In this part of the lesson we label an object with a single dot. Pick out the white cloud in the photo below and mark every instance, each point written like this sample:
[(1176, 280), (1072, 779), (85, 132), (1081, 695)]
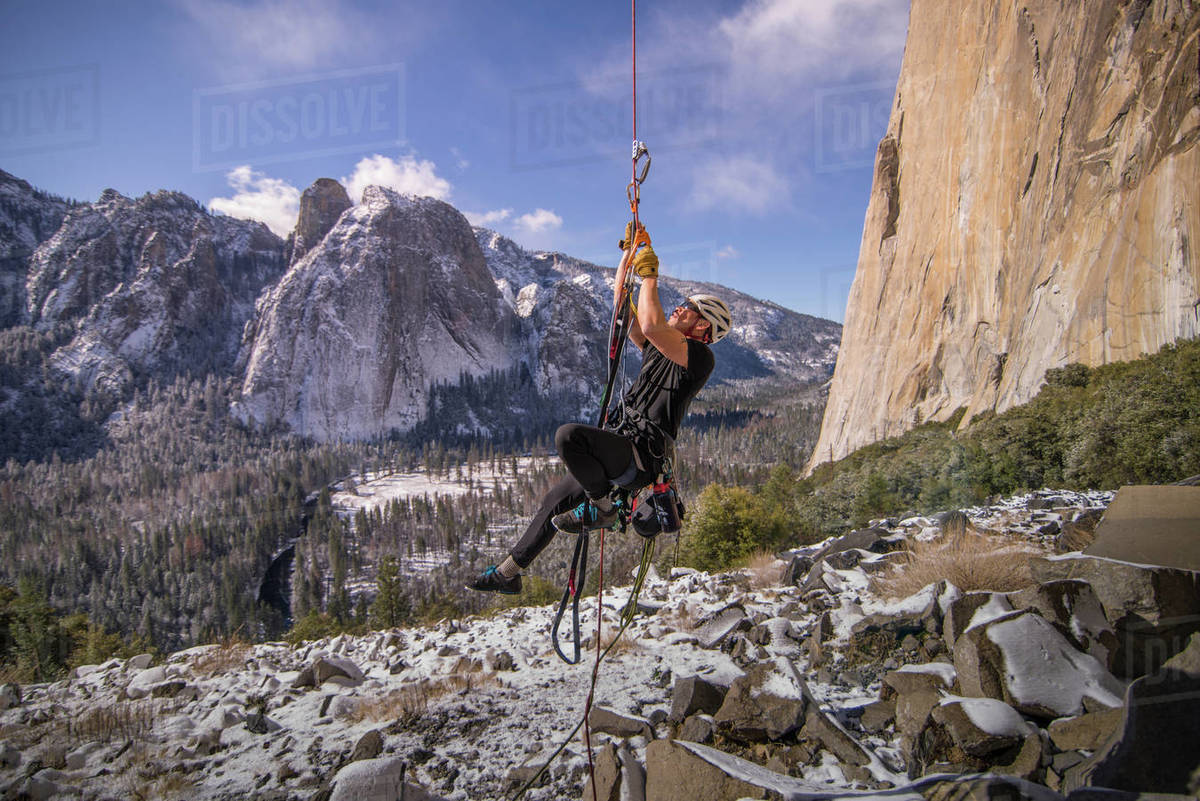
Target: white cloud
[(773, 41), (760, 76), (288, 34), (741, 184), (488, 217), (406, 175), (271, 201), (728, 253), (539, 221)]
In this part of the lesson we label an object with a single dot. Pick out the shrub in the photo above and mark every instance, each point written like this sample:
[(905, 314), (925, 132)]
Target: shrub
[(766, 570), (315, 626), (730, 524), (229, 654), (535, 591), (966, 558)]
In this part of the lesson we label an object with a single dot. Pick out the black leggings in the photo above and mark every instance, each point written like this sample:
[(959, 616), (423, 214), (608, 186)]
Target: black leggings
[(595, 458)]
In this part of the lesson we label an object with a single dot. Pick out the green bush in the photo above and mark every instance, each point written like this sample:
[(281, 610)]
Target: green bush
[(730, 524), (535, 591), (318, 625)]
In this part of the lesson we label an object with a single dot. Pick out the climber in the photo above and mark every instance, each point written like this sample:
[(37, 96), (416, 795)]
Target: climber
[(676, 362)]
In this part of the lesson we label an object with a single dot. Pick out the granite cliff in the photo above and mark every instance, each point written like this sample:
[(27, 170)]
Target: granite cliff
[(27, 219), (397, 296), (1035, 203)]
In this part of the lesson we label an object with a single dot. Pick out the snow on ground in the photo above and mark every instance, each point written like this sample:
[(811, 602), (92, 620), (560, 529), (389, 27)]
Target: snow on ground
[(374, 489), (463, 701), (473, 724)]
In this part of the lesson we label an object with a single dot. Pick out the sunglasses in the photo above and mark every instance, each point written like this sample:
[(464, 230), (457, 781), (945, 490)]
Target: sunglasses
[(687, 305)]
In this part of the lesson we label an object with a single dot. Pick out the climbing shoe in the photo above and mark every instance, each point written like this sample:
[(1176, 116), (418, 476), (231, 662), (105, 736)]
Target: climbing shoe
[(492, 580), (585, 516)]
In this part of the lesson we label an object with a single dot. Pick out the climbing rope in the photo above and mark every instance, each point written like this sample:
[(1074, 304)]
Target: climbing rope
[(587, 706), (628, 614), (622, 318)]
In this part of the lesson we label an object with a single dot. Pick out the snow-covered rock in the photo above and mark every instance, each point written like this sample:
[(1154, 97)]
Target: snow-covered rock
[(767, 703), (1023, 660), (982, 726)]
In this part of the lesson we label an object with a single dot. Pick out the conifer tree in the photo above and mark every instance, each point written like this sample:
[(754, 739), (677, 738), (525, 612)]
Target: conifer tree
[(391, 606)]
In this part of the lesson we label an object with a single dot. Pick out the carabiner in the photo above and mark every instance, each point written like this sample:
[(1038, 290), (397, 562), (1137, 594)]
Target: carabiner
[(639, 150)]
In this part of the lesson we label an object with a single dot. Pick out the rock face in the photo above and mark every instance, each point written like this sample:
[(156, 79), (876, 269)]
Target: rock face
[(320, 207), (398, 297), (1034, 204), (27, 219), (155, 285)]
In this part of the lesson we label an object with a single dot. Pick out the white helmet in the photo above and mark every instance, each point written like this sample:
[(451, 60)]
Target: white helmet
[(716, 312)]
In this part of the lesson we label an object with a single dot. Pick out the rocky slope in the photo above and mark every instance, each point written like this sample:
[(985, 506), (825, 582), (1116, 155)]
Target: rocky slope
[(155, 287), (1035, 203), (798, 681), (27, 219)]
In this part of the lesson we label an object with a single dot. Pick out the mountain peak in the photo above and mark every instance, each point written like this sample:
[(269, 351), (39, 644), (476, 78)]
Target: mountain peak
[(320, 207)]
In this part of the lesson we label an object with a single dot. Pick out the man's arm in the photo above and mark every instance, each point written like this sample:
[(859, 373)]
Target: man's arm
[(652, 323), (635, 331)]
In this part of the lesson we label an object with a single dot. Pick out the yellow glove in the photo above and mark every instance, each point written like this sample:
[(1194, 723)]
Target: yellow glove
[(643, 238), (645, 263)]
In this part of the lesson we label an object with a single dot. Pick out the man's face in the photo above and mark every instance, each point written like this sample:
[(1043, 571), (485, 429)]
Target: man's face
[(686, 319)]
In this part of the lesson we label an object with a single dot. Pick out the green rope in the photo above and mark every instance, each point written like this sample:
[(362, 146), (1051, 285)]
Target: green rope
[(627, 616), (630, 610)]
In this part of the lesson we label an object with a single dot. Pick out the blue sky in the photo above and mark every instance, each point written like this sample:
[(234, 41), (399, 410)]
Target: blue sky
[(761, 116)]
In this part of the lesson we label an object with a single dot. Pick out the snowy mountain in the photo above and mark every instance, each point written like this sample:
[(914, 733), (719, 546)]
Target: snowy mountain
[(155, 287), (767, 340), (400, 295), (368, 319)]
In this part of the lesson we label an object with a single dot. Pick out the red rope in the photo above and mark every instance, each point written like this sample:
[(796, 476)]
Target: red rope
[(633, 177), (634, 15), (587, 707)]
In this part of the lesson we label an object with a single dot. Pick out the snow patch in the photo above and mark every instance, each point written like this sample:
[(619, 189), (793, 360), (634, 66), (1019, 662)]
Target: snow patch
[(992, 716)]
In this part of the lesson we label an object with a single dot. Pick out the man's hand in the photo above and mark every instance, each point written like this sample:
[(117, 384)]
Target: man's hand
[(645, 263), (642, 238)]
